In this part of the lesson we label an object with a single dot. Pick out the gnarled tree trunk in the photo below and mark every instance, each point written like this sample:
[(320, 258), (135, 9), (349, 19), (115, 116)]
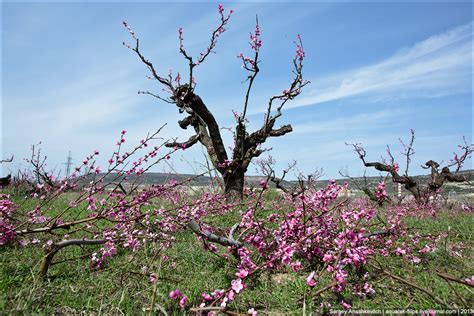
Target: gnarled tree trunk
[(234, 183)]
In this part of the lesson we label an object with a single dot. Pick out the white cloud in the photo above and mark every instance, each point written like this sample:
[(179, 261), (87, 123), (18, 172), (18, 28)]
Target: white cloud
[(358, 122), (438, 65)]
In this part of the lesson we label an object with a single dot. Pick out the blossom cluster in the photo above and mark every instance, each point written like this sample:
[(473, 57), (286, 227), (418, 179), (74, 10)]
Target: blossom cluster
[(380, 192), (7, 227)]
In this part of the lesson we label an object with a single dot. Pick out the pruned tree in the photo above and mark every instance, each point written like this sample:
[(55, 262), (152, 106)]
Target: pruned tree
[(232, 166), (438, 177), (293, 189), (4, 181), (38, 162)]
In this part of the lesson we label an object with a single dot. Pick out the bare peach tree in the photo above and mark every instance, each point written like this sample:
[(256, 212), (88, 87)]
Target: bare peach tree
[(200, 118), (438, 176)]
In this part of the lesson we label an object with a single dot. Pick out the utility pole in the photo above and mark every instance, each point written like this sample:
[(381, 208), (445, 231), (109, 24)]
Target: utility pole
[(68, 164)]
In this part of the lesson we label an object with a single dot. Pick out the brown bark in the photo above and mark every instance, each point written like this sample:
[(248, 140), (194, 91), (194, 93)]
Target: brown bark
[(234, 183), (48, 258)]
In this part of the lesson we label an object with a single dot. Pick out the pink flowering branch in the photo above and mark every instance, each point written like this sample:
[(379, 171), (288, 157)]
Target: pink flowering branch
[(167, 82), (221, 28), (251, 65), (459, 159)]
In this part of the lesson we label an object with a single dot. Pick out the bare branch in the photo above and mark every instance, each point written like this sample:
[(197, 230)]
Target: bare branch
[(451, 278), (157, 96), (213, 237), (54, 248), (413, 285), (163, 81), (408, 150), (285, 129), (210, 48), (7, 160), (254, 70), (191, 141)]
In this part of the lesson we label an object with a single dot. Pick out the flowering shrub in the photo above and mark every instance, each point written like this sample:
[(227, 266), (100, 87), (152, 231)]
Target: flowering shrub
[(380, 192), (102, 212), (7, 227), (328, 240), (324, 236)]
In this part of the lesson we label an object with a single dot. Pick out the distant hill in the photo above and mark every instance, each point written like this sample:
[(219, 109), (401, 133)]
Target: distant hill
[(253, 181)]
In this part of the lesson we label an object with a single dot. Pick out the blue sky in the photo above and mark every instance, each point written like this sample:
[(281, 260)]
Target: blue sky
[(377, 69)]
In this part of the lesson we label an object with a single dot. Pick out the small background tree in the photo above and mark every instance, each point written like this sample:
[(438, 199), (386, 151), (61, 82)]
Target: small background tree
[(438, 176)]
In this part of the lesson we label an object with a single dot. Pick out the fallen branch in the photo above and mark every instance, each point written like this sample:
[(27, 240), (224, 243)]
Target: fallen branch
[(213, 237), (48, 258), (379, 233), (206, 309), (451, 278), (324, 289), (402, 280)]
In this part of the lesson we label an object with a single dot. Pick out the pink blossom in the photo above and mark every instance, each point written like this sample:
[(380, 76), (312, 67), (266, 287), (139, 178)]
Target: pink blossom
[(153, 278), (380, 192), (470, 280), (237, 285), (182, 301), (396, 167), (242, 273), (346, 305), (310, 281), (252, 312), (399, 251), (327, 257), (296, 266), (206, 297), (368, 288), (175, 294)]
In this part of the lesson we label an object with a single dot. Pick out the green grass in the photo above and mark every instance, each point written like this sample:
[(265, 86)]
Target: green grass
[(121, 287)]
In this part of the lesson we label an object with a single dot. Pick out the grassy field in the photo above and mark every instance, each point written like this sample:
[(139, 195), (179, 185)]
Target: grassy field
[(122, 287)]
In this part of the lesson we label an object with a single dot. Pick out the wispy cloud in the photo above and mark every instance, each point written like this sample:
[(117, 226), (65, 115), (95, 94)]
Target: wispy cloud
[(436, 66), (358, 122)]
